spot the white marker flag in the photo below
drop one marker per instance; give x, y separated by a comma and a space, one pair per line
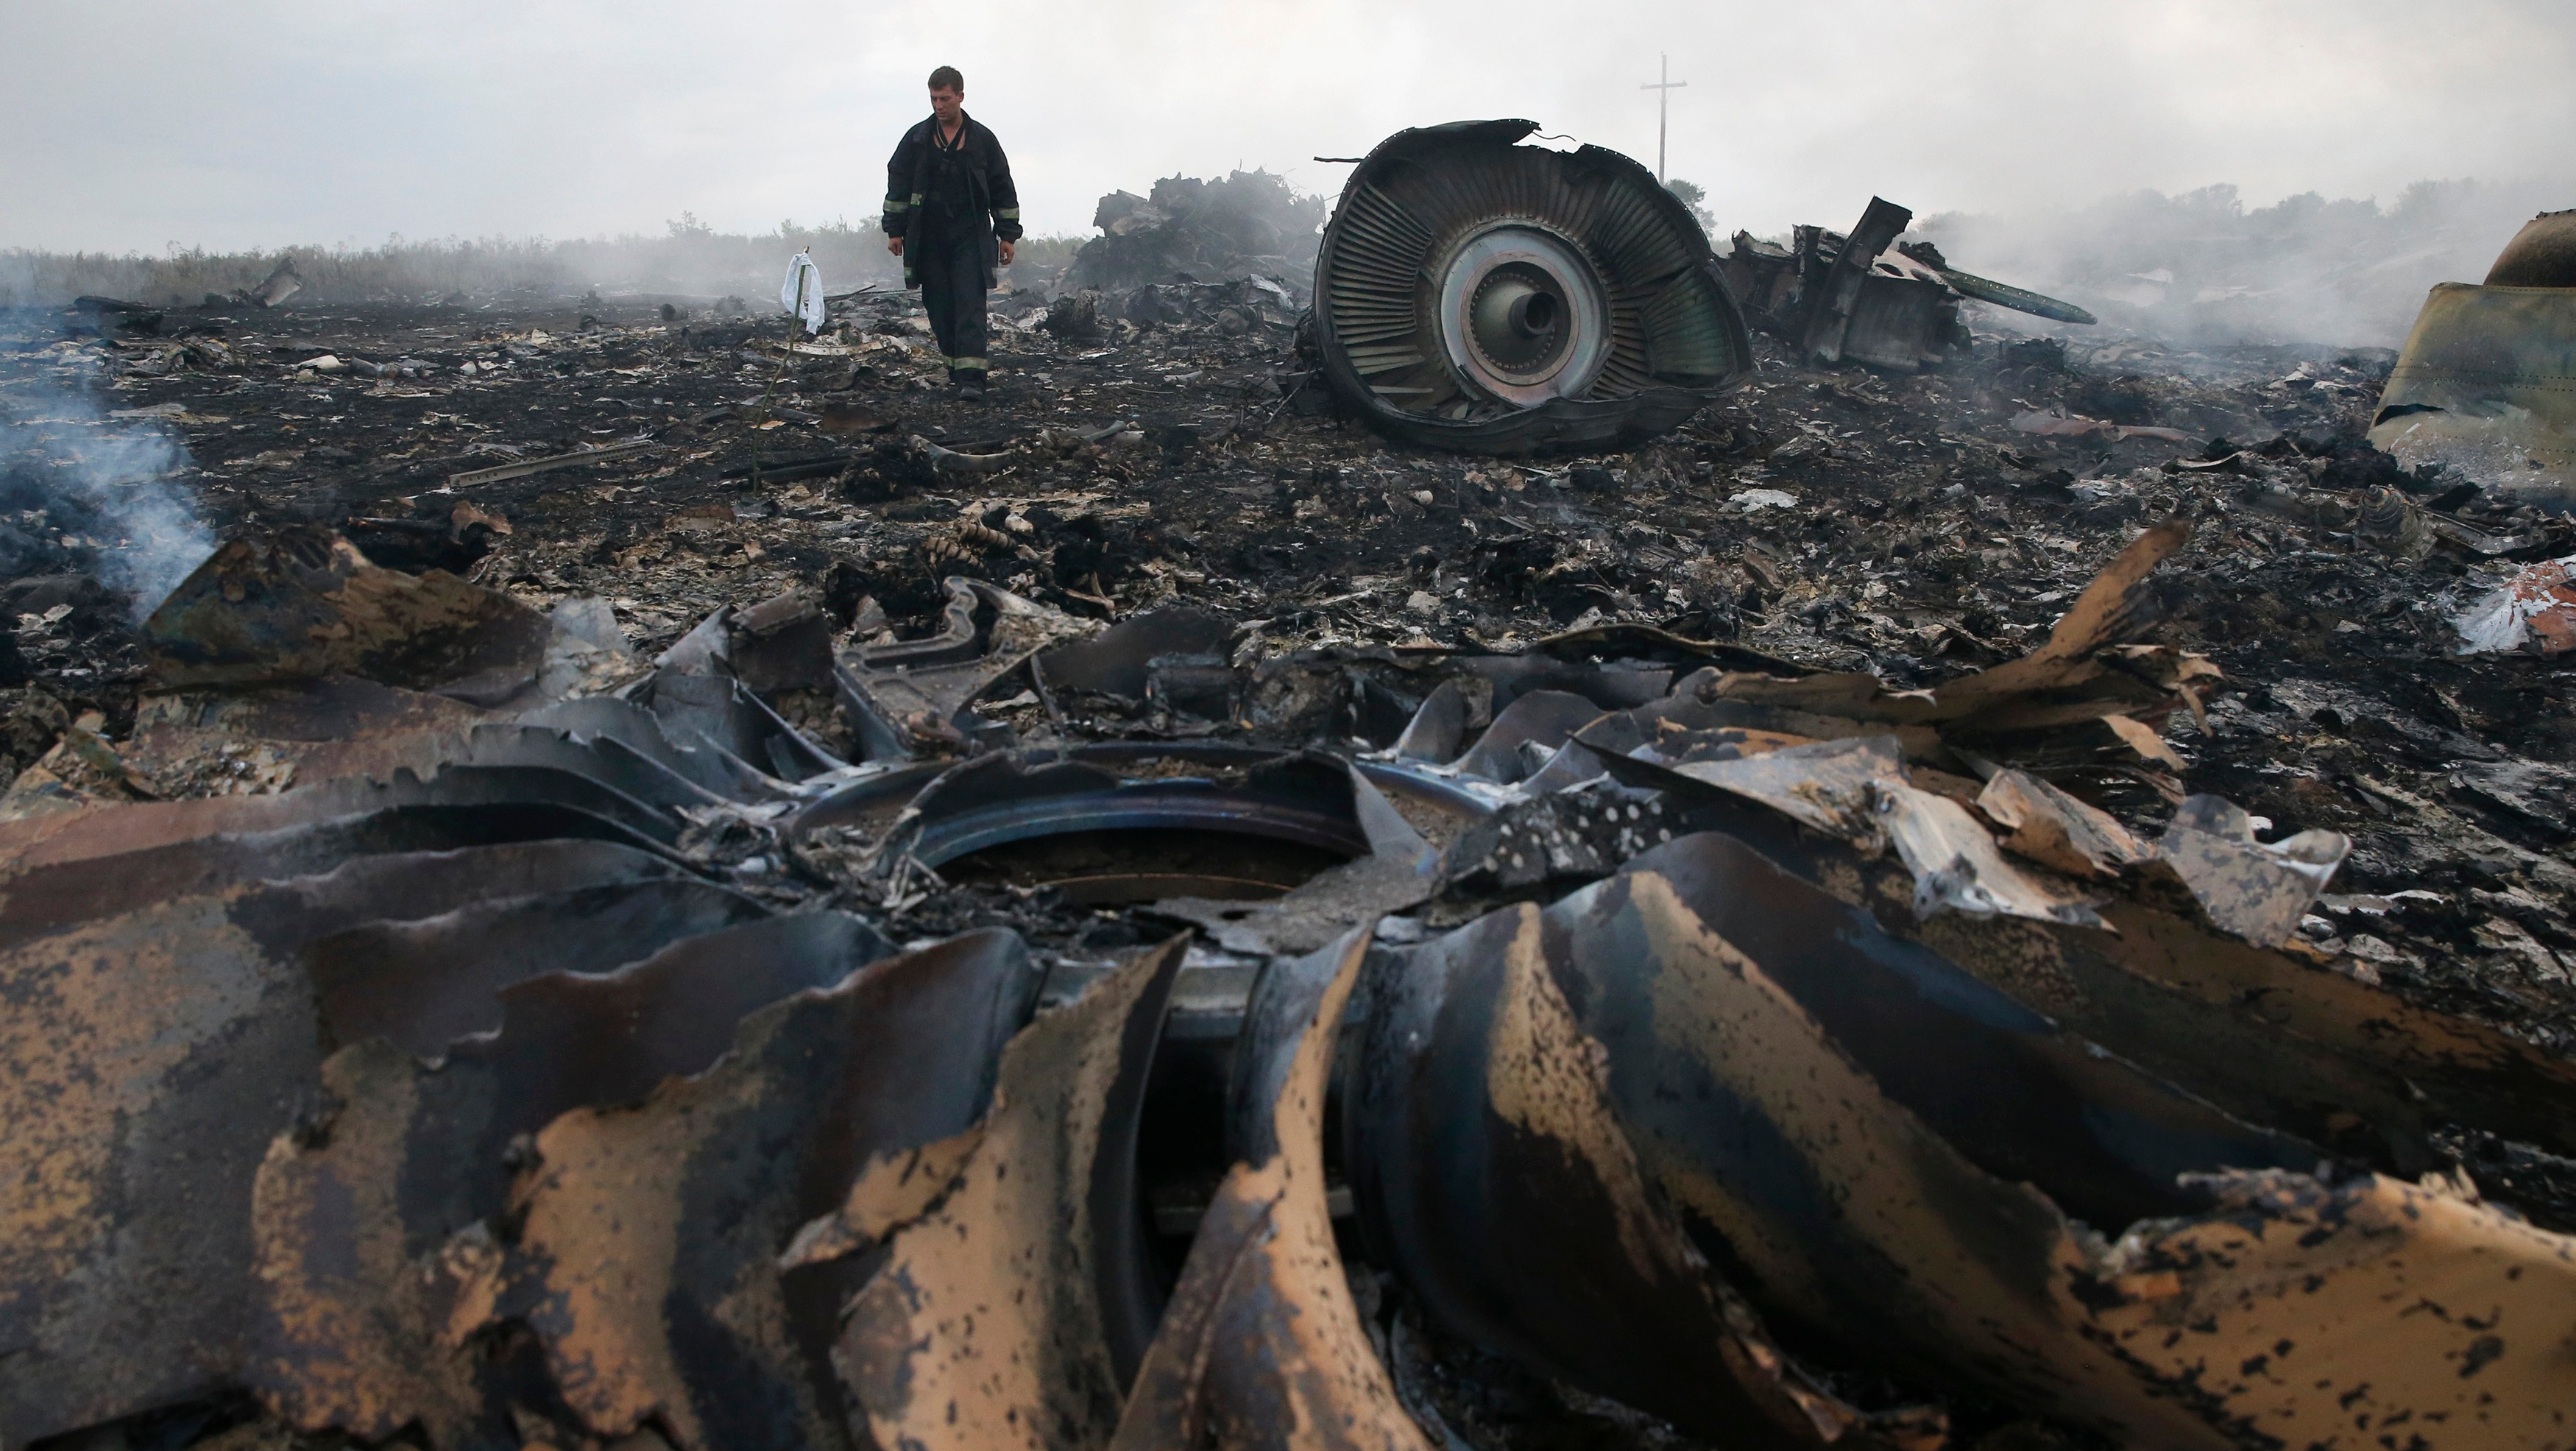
802, 294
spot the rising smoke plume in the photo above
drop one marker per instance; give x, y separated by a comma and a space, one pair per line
85, 490
2202, 268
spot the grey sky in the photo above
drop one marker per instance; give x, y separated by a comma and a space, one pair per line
132, 126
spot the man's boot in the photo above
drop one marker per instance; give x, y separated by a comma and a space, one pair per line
970, 384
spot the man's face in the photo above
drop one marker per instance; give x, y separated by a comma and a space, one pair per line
945, 103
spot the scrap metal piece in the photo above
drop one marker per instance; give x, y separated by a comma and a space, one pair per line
372, 1226
282, 282
1491, 1174
1299, 800
1803, 1088
570, 459
483, 851
649, 1263
2269, 1037
2256, 890
465, 805
699, 701
157, 1049
1476, 294
910, 695
1261, 1344
1397, 869
1986, 289
1118, 661
1956, 865
2084, 672
2056, 830
2486, 385
1830, 786
2535, 609
597, 720
1015, 1304
425, 752
1835, 311
1856, 298
425, 984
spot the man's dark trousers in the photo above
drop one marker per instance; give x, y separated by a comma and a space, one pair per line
951, 269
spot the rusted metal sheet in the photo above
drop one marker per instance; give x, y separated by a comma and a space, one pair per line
473, 803
152, 1055
375, 1227
1491, 1174
606, 762
2343, 1063
355, 1280
1848, 1124
424, 984
423, 855
1261, 1345
157, 1049
648, 1263
1015, 1303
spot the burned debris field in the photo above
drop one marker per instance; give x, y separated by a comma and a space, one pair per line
1800, 856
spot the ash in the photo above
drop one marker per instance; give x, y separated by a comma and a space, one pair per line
1164, 446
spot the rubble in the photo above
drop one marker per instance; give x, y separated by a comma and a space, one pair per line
1869, 298
1193, 231
2536, 608
1270, 908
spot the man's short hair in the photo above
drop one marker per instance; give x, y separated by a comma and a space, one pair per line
946, 78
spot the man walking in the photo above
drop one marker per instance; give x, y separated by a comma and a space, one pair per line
952, 215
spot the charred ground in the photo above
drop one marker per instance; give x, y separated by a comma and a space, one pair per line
1164, 443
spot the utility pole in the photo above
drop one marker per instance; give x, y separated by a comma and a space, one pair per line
1663, 90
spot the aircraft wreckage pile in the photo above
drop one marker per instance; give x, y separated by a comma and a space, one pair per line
663, 889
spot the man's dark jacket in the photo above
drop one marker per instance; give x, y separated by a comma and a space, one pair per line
996, 215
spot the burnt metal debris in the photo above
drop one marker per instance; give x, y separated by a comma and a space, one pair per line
1479, 294
2010, 896
2486, 378
1653, 1008
1865, 296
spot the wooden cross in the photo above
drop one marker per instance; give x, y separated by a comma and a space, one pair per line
1663, 89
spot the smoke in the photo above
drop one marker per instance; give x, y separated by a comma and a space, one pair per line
2201, 268
88, 489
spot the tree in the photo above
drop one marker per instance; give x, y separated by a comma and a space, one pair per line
1693, 195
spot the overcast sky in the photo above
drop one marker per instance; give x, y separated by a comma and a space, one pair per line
257, 123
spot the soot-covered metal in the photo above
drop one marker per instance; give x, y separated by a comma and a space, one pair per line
1716, 1051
